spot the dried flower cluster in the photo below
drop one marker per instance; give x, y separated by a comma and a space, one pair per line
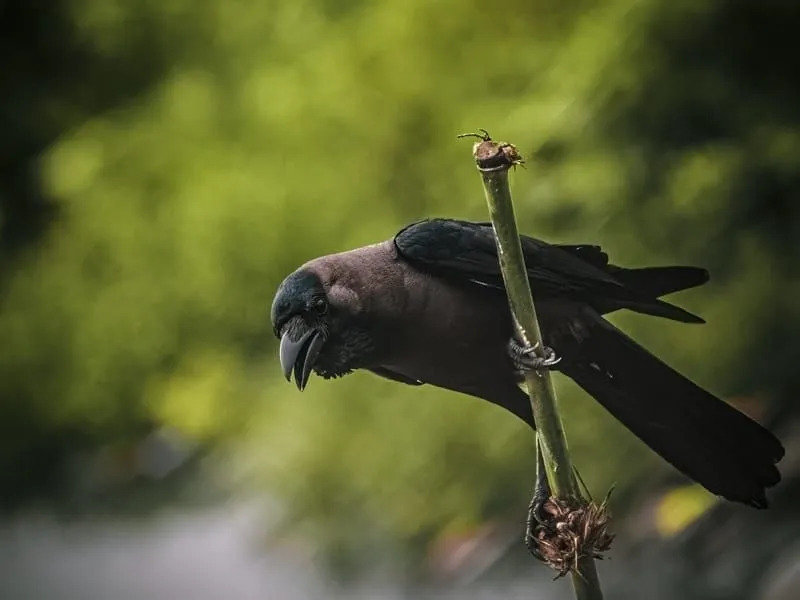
568, 532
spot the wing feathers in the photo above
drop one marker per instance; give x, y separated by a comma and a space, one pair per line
466, 251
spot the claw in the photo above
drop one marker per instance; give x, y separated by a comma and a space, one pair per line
533, 523
536, 518
525, 357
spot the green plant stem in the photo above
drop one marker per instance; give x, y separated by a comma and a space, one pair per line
494, 159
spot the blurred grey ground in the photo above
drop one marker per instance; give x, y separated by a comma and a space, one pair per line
211, 554
218, 553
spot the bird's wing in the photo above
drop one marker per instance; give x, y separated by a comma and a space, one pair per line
648, 281
466, 251
588, 253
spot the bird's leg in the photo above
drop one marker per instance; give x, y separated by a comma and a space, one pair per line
536, 517
525, 358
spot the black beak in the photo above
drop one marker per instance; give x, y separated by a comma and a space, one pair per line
300, 355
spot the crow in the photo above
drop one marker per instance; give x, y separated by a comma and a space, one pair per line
429, 307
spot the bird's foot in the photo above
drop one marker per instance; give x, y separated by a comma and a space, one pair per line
536, 508
525, 357
538, 520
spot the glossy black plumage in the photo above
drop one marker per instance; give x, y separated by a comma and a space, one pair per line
464, 250
428, 306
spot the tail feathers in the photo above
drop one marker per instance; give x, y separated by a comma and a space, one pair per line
659, 281
659, 308
645, 286
705, 438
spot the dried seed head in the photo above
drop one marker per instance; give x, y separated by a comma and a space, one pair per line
492, 156
570, 531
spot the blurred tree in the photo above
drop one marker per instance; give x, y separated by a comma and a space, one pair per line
50, 82
193, 154
53, 79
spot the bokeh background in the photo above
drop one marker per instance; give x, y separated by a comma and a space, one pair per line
164, 164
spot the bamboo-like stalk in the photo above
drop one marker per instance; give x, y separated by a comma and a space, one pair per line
494, 159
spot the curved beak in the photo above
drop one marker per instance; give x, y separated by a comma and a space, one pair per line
300, 355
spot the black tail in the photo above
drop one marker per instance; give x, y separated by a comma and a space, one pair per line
648, 284
655, 307
659, 281
702, 436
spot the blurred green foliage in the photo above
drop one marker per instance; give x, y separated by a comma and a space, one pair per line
183, 157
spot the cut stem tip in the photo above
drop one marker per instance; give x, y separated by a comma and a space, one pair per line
491, 155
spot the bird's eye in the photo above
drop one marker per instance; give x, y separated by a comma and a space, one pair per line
320, 306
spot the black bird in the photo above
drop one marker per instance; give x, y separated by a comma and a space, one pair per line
429, 306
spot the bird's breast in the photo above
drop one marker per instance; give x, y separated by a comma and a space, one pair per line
449, 334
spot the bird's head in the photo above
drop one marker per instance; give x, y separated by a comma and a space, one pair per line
300, 313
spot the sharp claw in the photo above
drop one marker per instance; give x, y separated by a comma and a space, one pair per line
525, 357
536, 521
528, 350
551, 359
